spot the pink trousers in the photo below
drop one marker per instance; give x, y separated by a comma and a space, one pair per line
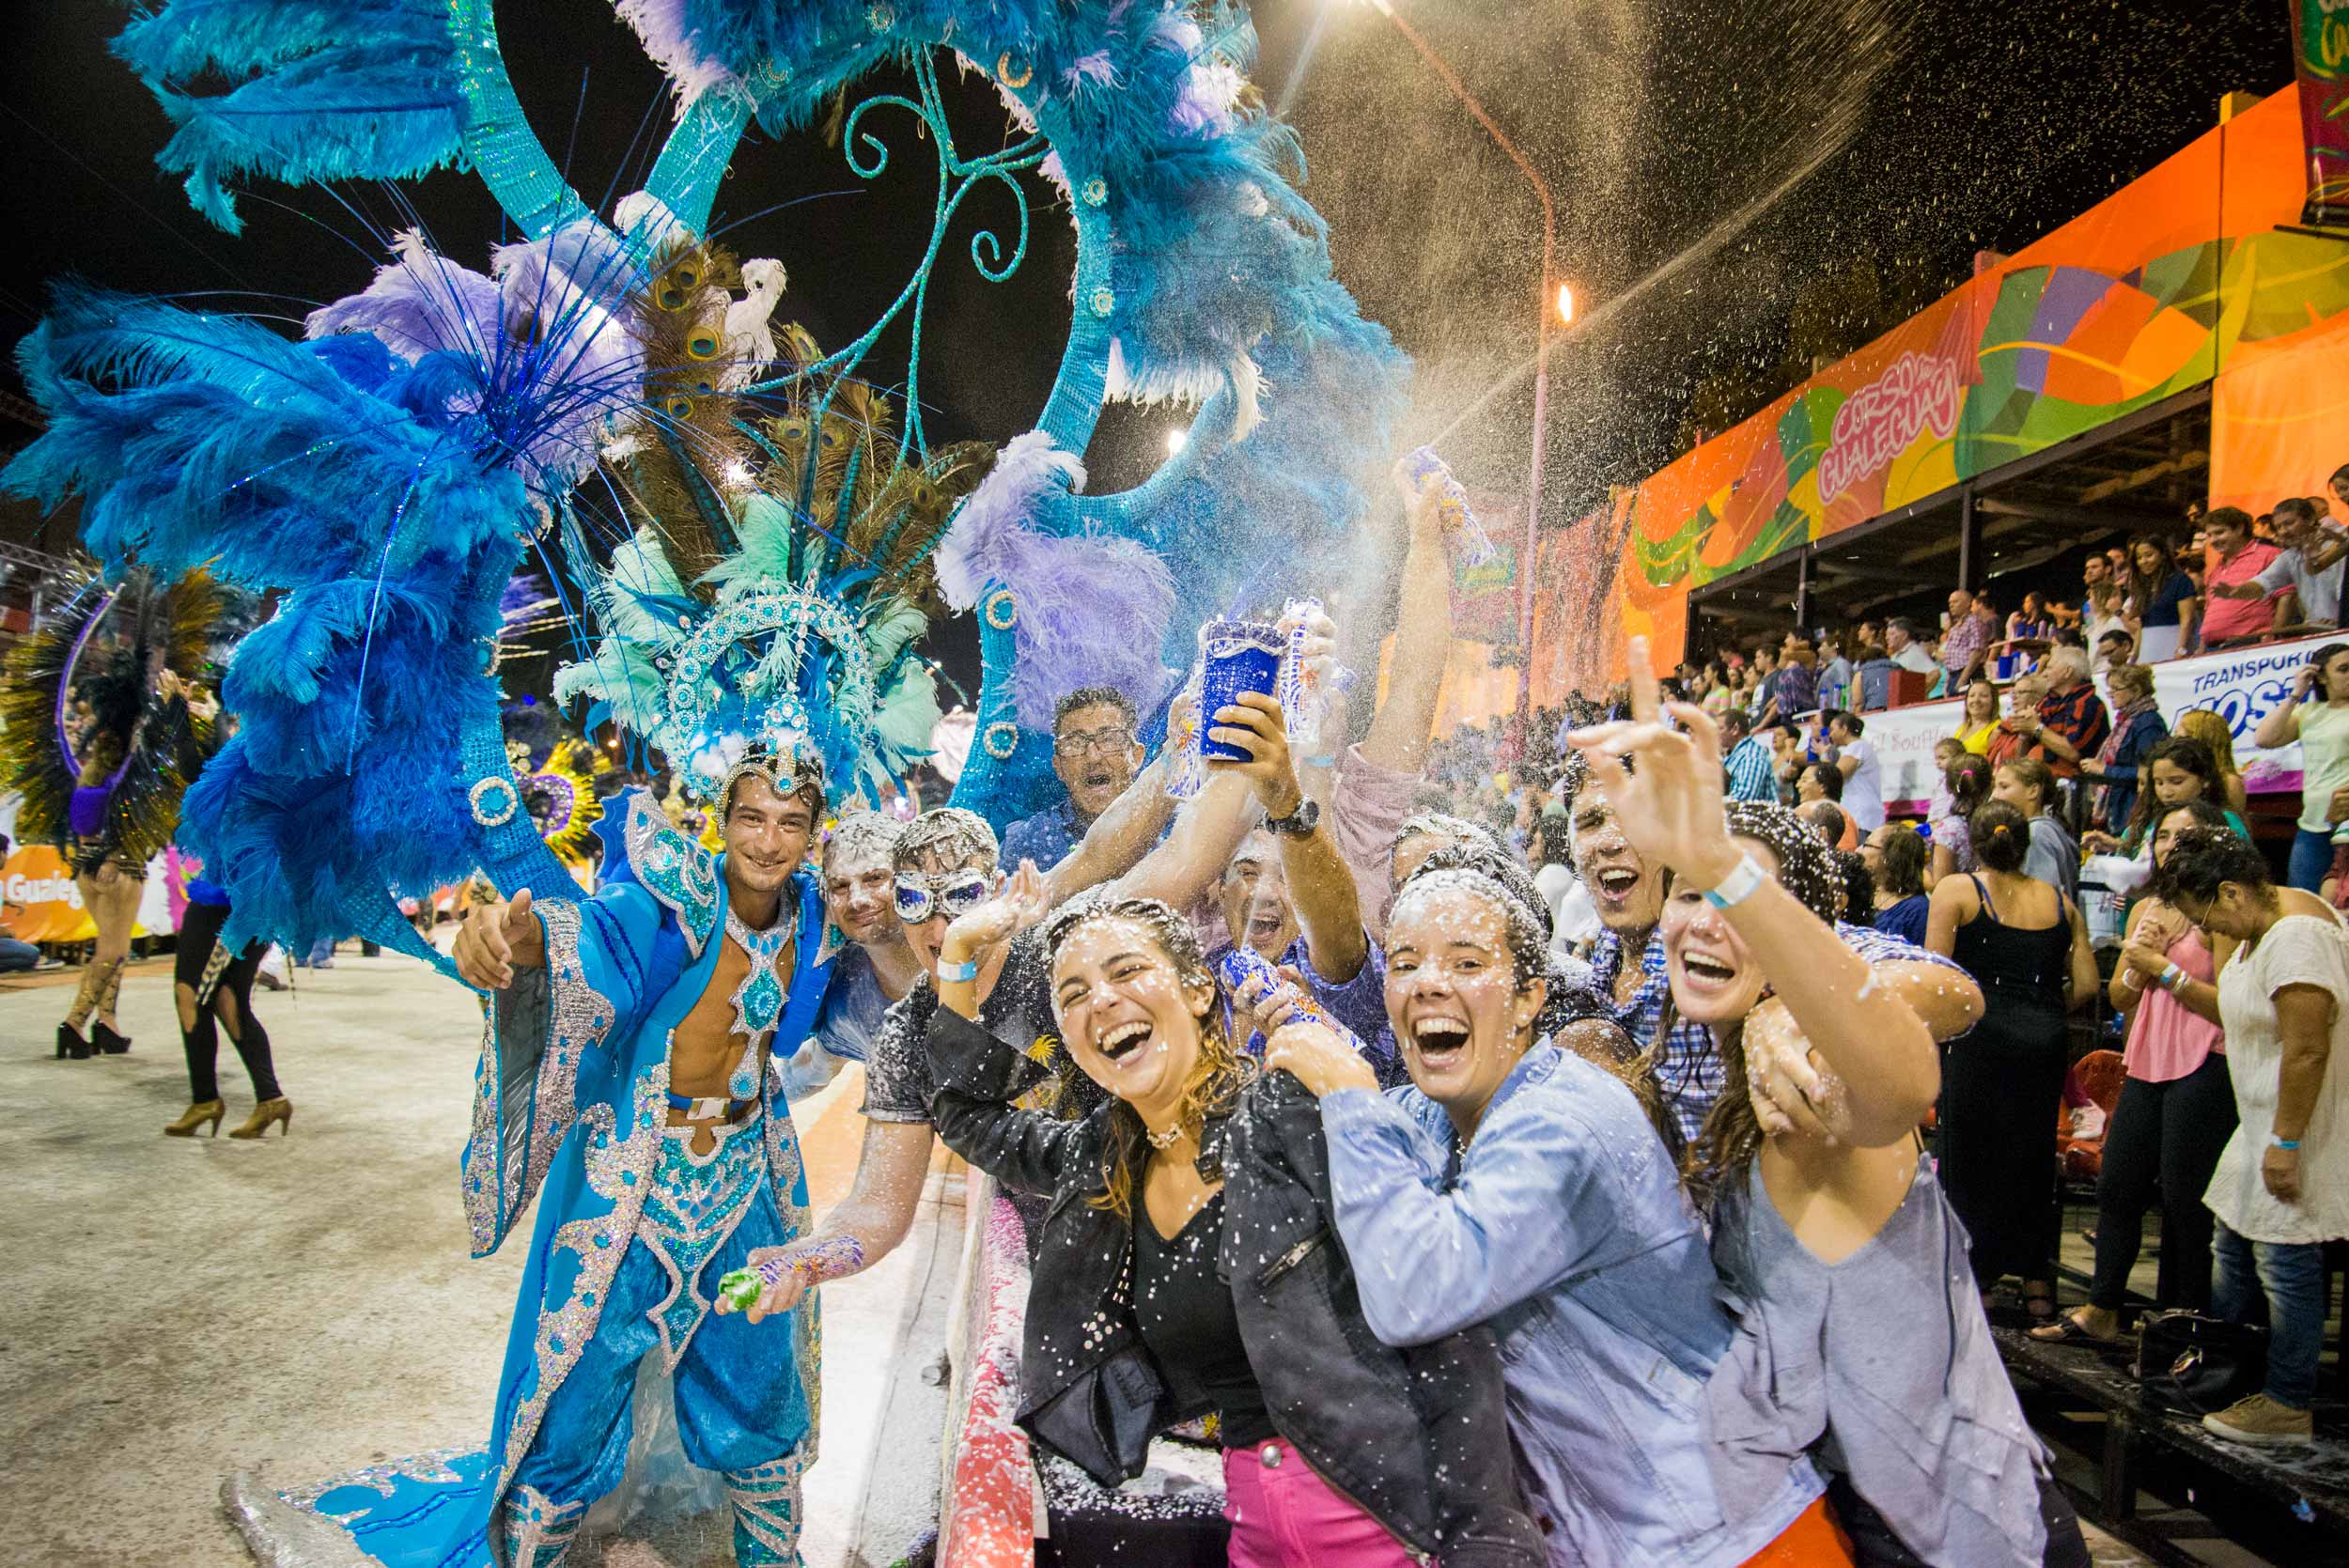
1284, 1515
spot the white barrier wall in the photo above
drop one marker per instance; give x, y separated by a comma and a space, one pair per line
2244, 685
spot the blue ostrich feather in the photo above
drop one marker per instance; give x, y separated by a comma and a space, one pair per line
199, 440
326, 89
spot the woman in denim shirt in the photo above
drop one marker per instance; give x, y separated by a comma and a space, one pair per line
1829, 1230
1519, 1184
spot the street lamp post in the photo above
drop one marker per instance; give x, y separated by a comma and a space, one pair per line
1541, 347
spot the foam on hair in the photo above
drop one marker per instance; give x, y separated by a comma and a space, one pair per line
1168, 929
864, 835
1436, 824
1806, 867
1525, 933
953, 833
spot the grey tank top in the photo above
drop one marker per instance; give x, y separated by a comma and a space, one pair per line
1883, 1366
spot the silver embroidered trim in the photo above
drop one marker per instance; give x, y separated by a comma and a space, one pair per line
582, 1017
477, 1171
766, 1510
535, 1532
695, 1203
431, 1468
280, 1535
674, 869
765, 949
616, 1169
499, 1174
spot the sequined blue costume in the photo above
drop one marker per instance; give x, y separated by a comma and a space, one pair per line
634, 1228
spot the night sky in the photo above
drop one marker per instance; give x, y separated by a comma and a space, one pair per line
1916, 133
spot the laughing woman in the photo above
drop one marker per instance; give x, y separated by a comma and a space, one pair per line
1828, 1227
1515, 1184
1186, 1266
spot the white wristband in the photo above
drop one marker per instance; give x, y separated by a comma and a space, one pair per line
1739, 885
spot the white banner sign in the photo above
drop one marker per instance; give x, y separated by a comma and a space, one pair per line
2244, 685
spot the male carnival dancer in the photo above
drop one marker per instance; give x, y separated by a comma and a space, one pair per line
626, 1080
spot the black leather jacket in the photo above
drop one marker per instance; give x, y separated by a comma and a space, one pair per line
1419, 1438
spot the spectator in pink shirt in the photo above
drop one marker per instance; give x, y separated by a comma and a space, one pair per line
2236, 558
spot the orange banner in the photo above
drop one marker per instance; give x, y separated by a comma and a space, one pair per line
36, 880
2191, 275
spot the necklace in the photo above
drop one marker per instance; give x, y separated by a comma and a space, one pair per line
1164, 1140
758, 999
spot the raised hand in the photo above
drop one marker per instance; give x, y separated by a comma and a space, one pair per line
1669, 803
1790, 1090
1319, 1058
1018, 903
787, 1273
1273, 1003
1255, 724
496, 941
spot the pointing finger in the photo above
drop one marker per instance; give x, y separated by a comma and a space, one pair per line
1643, 686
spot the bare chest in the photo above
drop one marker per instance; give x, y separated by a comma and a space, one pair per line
706, 1045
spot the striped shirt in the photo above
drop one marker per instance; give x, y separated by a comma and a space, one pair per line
1752, 774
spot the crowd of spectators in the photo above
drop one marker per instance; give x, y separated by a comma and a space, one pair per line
2072, 860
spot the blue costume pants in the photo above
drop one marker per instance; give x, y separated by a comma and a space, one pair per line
740, 1409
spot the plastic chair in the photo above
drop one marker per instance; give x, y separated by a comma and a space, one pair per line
2094, 1079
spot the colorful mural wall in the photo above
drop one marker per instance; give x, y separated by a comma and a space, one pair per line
2183, 276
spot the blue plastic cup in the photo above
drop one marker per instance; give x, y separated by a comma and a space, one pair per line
1240, 656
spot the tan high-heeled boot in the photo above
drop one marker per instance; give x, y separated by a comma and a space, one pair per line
195, 1116
279, 1111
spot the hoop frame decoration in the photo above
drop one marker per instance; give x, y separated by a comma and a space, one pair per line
1001, 609
1000, 739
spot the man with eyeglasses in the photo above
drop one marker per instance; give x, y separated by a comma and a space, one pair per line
1095, 755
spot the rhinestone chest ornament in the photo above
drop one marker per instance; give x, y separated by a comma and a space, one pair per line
758, 999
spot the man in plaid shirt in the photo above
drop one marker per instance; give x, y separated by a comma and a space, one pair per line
1752, 770
1967, 642
1631, 896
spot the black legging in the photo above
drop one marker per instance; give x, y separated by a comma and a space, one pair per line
232, 989
2172, 1133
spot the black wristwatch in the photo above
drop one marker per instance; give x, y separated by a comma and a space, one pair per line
1299, 825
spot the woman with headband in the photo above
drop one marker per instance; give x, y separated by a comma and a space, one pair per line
1519, 1185
1186, 1266
1828, 1225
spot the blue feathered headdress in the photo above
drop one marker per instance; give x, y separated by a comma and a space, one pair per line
386, 478
766, 611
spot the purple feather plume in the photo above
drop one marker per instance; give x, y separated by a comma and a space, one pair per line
422, 303
546, 336
1092, 611
669, 39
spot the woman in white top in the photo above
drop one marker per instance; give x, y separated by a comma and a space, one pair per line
2282, 1190
2321, 728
